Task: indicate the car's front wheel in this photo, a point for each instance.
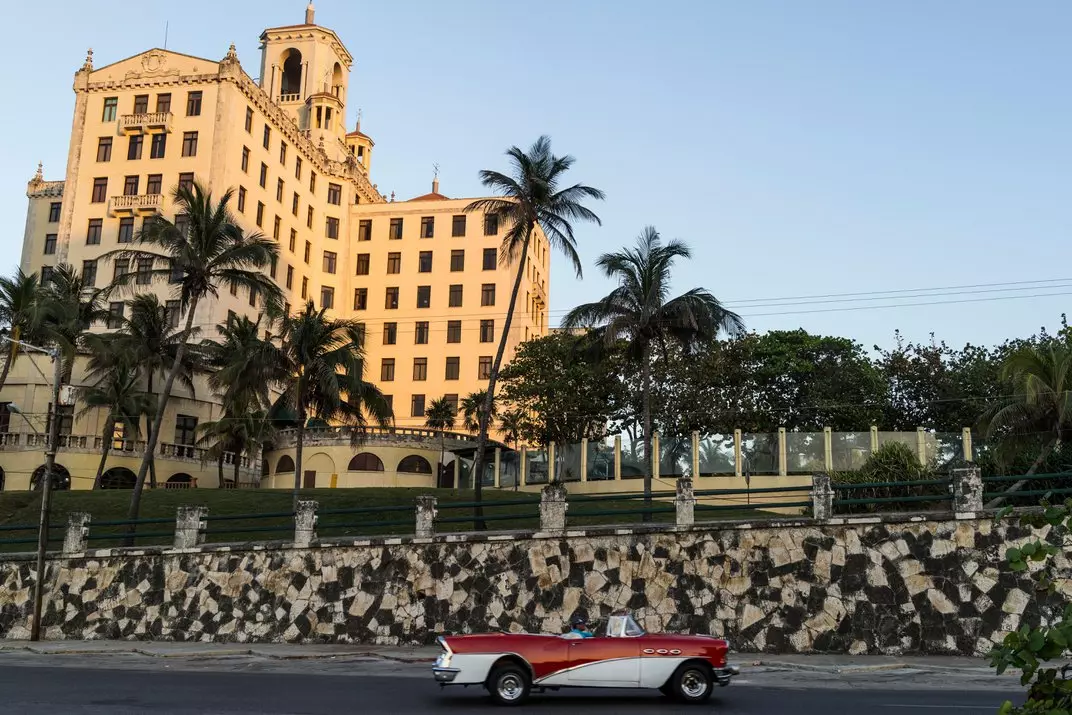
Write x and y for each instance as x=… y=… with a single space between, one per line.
x=692 y=683
x=509 y=685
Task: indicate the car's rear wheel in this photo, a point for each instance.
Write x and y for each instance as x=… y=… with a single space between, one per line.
x=692 y=683
x=509 y=685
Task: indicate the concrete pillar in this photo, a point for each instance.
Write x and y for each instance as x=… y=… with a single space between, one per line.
x=498 y=468
x=523 y=467
x=305 y=524
x=921 y=445
x=828 y=449
x=584 y=459
x=695 y=454
x=783 y=462
x=685 y=501
x=822 y=496
x=551 y=463
x=190 y=526
x=618 y=458
x=967 y=490
x=738 y=457
x=77 y=536
x=456 y=466
x=874 y=438
x=426 y=514
x=553 y=508
x=966 y=441
x=653 y=458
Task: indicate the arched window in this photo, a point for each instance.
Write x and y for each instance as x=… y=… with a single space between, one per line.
x=179 y=481
x=118 y=478
x=336 y=81
x=292 y=71
x=285 y=464
x=365 y=462
x=414 y=464
x=61 y=478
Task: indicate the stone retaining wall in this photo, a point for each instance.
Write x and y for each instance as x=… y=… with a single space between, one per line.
x=890 y=586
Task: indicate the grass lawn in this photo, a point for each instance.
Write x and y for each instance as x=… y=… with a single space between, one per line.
x=393 y=513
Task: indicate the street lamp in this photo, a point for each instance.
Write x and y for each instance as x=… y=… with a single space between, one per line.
x=46 y=488
x=14 y=409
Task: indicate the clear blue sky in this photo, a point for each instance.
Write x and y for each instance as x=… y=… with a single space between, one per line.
x=801 y=148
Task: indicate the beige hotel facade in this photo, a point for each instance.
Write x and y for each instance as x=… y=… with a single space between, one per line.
x=422 y=274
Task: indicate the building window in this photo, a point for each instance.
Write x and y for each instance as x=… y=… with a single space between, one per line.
x=420 y=369
x=424 y=262
x=394 y=263
x=297 y=167
x=172 y=313
x=424 y=296
x=260 y=214
x=454 y=331
x=334 y=194
x=264 y=176
x=50 y=244
x=189 y=144
x=279 y=190
x=177 y=272
x=126 y=229
x=304 y=288
x=290 y=277
x=234 y=288
x=100 y=190
x=277 y=227
x=267 y=136
x=417 y=406
x=332 y=227
x=145 y=272
x=490 y=259
x=89 y=273
x=115 y=315
x=312 y=182
x=273 y=267
x=120 y=268
x=154 y=184
x=158 y=147
x=487 y=331
x=294 y=202
x=185 y=433
x=457 y=261
x=93 y=231
x=308 y=251
x=491 y=224
x=245 y=159
x=363 y=264
x=141 y=103
x=427 y=226
x=193 y=104
x=186 y=181
x=395 y=232
x=330 y=259
x=242 y=199
x=360 y=298
x=483 y=368
x=453 y=371
x=134 y=146
x=420 y=333
x=283 y=153
x=364 y=230
x=249 y=120
x=390 y=333
x=182 y=224
x=457 y=226
x=46 y=275
x=327 y=297
x=387 y=369
x=293 y=239
x=54 y=211
x=391 y=300
x=104 y=149
x=454 y=299
x=163 y=103
x=309 y=218
x=252 y=297
x=111 y=105
x=487 y=294
x=130 y=186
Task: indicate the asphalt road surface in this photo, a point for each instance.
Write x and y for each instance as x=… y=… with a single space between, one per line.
x=40 y=687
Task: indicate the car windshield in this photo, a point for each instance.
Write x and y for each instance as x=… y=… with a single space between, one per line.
x=623 y=625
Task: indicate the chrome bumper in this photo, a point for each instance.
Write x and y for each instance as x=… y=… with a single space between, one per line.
x=445 y=675
x=723 y=674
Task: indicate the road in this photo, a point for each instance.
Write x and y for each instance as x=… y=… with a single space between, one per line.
x=43 y=686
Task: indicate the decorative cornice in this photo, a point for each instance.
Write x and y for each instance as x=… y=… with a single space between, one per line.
x=308 y=32
x=44 y=189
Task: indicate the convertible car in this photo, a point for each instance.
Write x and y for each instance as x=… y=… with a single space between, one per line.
x=510 y=666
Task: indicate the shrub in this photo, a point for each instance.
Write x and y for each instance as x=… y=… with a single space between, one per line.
x=893 y=462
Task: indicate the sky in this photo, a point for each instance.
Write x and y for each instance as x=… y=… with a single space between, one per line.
x=899 y=151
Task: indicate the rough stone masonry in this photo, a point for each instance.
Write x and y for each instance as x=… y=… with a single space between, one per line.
x=889 y=586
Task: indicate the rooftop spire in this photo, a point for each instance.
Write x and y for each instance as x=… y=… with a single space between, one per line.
x=310 y=11
x=87 y=66
x=435 y=178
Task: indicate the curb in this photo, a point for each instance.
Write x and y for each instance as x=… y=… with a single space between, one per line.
x=215 y=653
x=849 y=669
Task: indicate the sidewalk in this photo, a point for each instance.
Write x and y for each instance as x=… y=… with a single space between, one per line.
x=756 y=662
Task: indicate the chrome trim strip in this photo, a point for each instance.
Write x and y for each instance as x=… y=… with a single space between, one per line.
x=584 y=665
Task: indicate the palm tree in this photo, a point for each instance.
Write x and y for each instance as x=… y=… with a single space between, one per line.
x=70 y=308
x=197 y=255
x=118 y=392
x=473 y=408
x=324 y=367
x=1038 y=413
x=440 y=416
x=238 y=434
x=512 y=423
x=21 y=313
x=639 y=315
x=243 y=365
x=532 y=195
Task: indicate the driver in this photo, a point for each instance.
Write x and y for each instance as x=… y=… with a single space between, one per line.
x=579 y=628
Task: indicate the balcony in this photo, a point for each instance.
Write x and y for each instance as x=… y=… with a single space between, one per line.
x=136 y=205
x=145 y=123
x=289 y=98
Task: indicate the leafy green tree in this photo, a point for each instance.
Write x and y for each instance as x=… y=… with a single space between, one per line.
x=323 y=369
x=22 y=314
x=640 y=316
x=440 y=416
x=204 y=249
x=532 y=196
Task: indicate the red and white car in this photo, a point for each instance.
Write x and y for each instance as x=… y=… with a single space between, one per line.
x=510 y=666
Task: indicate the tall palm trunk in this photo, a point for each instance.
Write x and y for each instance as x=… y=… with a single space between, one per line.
x=649 y=457
x=237 y=456
x=154 y=433
x=485 y=415
x=11 y=355
x=106 y=446
x=1046 y=451
x=219 y=468
x=152 y=462
x=298 y=448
